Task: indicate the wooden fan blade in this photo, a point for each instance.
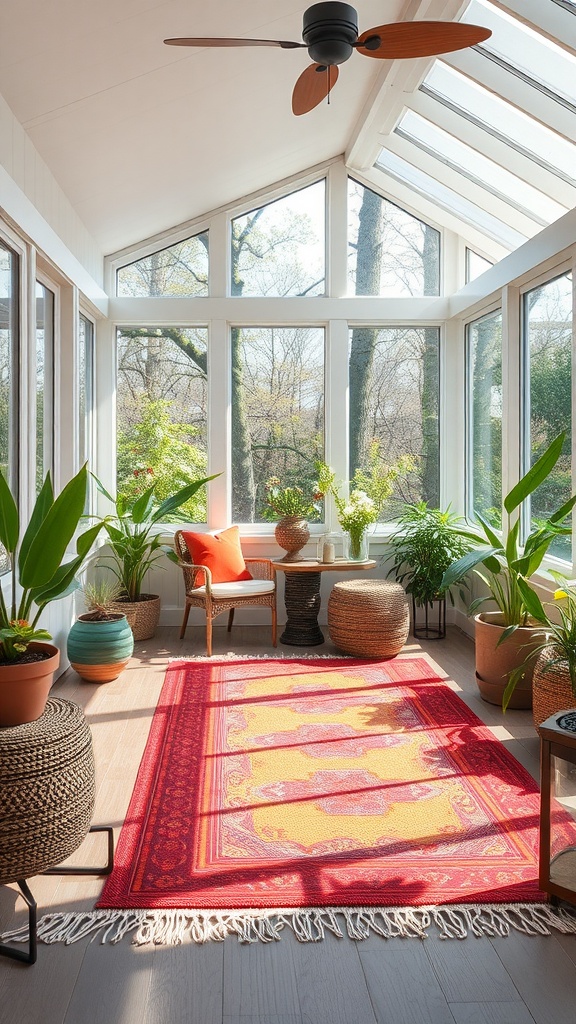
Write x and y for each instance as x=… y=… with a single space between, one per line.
x=419 y=39
x=313 y=86
x=286 y=44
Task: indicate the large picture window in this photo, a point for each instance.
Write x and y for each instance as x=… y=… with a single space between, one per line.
x=162 y=412
x=394 y=400
x=277 y=412
x=547 y=330
x=484 y=417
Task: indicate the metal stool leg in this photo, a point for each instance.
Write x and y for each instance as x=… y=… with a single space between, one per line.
x=106 y=870
x=30 y=956
x=16 y=954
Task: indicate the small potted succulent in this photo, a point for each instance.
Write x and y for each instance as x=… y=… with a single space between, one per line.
x=100 y=642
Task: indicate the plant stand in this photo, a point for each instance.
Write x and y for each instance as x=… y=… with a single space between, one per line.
x=429 y=620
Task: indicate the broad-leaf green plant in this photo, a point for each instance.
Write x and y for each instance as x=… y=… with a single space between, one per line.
x=135 y=543
x=38 y=573
x=507 y=566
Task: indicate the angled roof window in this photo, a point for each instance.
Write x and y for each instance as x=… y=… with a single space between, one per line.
x=479 y=169
x=525 y=52
x=504 y=121
x=447 y=199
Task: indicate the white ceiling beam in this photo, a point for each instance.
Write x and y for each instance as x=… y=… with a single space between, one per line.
x=397 y=79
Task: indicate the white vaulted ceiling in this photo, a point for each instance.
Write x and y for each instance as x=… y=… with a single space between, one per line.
x=141 y=136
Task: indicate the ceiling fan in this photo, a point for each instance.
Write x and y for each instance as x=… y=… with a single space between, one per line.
x=330 y=34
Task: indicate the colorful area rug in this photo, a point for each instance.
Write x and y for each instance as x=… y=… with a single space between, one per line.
x=321 y=792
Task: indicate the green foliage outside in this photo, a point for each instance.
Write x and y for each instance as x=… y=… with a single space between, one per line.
x=156 y=450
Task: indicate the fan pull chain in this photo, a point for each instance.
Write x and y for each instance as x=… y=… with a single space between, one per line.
x=328 y=97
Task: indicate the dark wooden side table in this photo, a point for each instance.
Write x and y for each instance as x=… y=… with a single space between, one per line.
x=302 y=597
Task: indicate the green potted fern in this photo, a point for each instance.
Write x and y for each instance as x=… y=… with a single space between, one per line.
x=426 y=542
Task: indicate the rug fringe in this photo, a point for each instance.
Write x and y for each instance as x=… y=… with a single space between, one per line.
x=173 y=927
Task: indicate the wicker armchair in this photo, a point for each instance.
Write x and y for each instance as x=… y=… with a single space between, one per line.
x=216 y=598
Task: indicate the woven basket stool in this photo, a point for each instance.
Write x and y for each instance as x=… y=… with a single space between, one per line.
x=46 y=800
x=369 y=618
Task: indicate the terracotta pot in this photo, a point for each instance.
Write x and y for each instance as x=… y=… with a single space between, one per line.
x=551 y=686
x=292 y=534
x=99 y=649
x=494 y=664
x=142 y=615
x=24 y=688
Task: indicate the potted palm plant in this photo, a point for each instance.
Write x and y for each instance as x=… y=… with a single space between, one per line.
x=136 y=547
x=504 y=636
x=38 y=575
x=427 y=541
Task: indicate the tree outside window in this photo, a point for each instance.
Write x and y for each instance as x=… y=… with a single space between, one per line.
x=162 y=412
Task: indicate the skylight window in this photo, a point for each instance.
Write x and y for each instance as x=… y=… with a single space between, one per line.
x=444 y=197
x=502 y=120
x=543 y=63
x=479 y=169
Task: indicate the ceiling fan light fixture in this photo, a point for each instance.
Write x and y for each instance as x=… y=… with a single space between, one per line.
x=330 y=31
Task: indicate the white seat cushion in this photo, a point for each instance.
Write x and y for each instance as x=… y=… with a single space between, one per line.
x=243 y=588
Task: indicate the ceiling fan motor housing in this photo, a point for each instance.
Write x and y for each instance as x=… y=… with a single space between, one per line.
x=330 y=31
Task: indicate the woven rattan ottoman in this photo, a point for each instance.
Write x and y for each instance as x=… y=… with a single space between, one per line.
x=369 y=618
x=46 y=790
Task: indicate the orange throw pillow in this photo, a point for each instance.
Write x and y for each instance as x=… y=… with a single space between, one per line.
x=221 y=552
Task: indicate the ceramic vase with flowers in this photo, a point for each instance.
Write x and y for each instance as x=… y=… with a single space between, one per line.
x=370 y=489
x=292 y=507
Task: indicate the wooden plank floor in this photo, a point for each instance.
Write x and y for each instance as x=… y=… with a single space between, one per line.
x=515 y=980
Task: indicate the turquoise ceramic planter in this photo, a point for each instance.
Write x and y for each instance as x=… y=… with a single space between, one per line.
x=99 y=651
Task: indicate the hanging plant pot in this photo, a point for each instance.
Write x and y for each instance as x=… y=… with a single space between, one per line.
x=292 y=534
x=25 y=685
x=100 y=649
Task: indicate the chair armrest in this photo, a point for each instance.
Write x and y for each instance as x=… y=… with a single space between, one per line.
x=193 y=570
x=261 y=568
